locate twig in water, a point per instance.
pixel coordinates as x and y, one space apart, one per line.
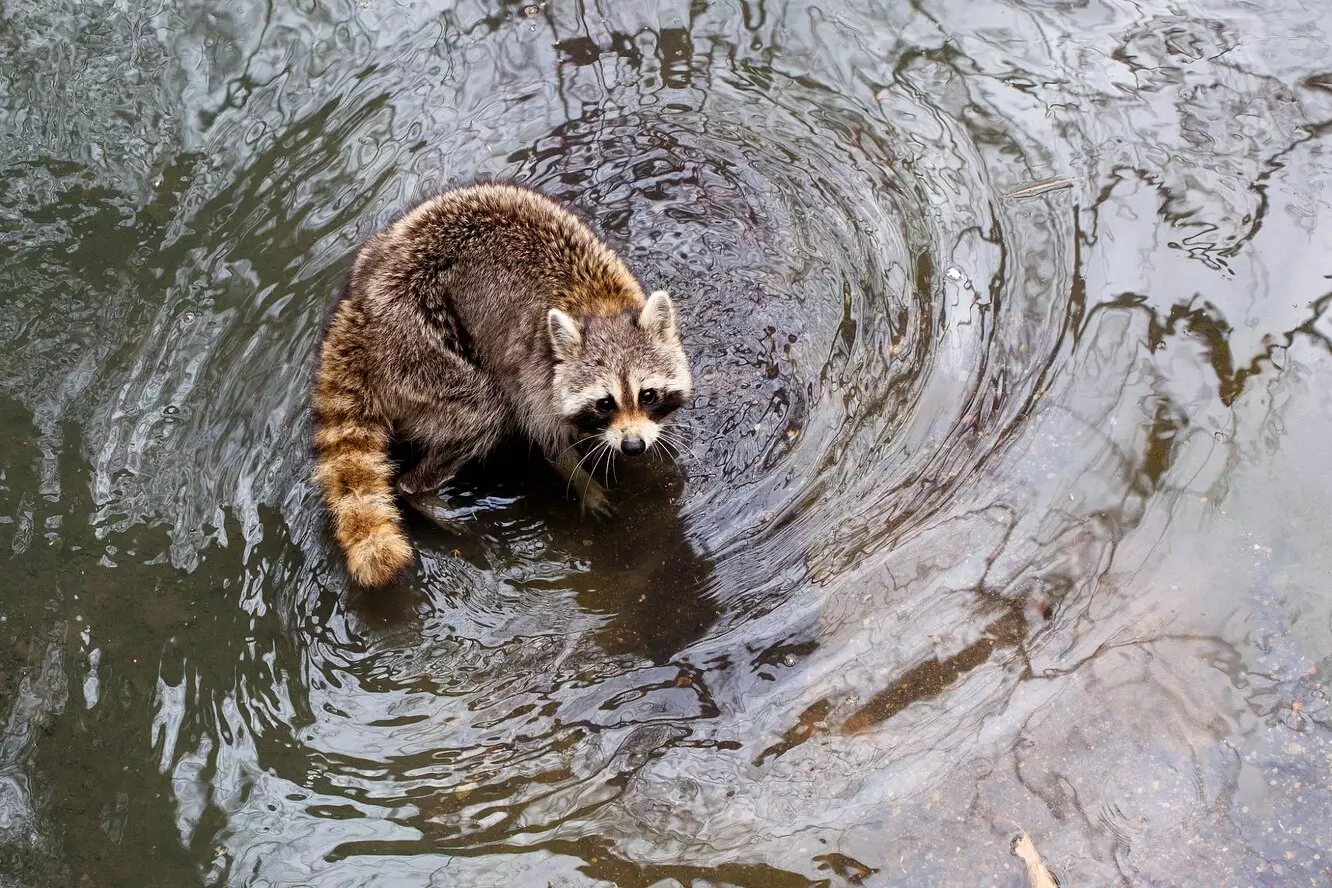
1041 187
1036 872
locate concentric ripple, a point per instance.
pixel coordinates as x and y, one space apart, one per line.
865 341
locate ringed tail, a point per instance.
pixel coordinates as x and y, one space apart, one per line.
353 470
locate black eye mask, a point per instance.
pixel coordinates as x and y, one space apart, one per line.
590 419
666 404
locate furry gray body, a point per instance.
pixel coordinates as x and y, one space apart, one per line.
484 312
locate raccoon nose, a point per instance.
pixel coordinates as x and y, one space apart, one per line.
633 446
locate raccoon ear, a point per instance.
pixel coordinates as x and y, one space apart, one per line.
658 316
564 336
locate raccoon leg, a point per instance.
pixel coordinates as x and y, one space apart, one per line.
453 425
590 493
428 475
435 509
419 488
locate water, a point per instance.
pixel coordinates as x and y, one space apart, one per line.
1004 507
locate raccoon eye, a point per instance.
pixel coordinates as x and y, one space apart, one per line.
606 404
647 397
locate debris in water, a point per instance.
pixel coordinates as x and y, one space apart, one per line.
1036 872
1036 188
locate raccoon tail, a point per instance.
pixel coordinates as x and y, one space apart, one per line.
352 468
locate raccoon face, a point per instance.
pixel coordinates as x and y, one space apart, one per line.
618 379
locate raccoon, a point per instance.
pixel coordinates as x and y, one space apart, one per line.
483 312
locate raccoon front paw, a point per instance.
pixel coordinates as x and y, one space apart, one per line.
413 485
436 509
595 501
424 480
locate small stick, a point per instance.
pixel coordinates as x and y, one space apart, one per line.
1038 875
1025 848
1042 187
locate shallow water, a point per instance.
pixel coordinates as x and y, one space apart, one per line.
1003 506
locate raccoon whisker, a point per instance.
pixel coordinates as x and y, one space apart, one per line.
676 438
671 440
672 457
579 465
575 444
686 426
674 429
590 479
679 450
593 454
668 447
686 431
602 447
610 455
